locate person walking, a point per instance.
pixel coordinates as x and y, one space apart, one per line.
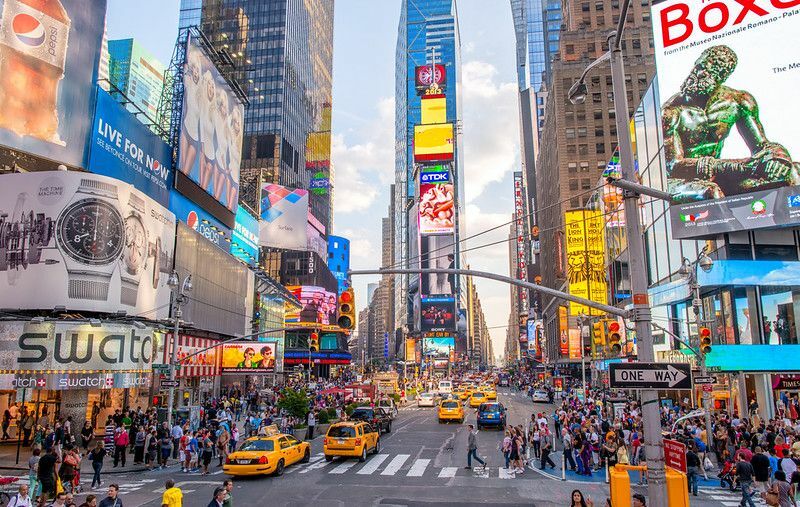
33 469
566 441
112 500
96 456
693 465
783 490
227 484
120 445
218 498
744 475
173 496
546 448
22 498
47 473
312 421
472 447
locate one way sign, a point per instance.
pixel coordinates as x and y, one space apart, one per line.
651 375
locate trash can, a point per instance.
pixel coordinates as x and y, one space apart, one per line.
677 488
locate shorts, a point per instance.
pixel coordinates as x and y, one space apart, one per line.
48 488
206 458
165 453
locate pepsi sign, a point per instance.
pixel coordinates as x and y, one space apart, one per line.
198 219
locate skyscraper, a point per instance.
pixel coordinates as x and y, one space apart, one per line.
428 35
137 73
281 53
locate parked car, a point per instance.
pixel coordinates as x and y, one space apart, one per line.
377 417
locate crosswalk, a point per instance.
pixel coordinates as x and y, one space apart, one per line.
394 465
730 498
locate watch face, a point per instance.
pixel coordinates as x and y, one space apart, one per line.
91 231
135 253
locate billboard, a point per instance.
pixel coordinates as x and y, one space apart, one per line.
426 75
439 349
249 357
410 354
284 214
433 109
437 252
438 314
95 244
48 61
436 203
123 148
200 220
244 240
318 305
721 66
585 238
519 231
434 143
210 151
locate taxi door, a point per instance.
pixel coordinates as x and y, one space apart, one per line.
285 451
370 436
293 450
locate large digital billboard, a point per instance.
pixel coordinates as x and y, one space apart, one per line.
318 306
433 109
210 151
248 357
48 62
83 241
436 201
200 220
244 237
284 215
586 274
727 79
438 314
439 350
123 148
433 143
426 75
437 252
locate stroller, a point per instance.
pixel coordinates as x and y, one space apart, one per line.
726 476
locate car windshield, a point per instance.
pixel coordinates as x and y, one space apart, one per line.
450 404
342 432
385 403
478 395
426 395
362 413
257 445
489 407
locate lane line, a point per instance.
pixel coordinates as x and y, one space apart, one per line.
396 464
373 464
418 468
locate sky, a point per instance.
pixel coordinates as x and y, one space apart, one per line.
365 36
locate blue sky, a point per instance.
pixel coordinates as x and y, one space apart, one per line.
365 34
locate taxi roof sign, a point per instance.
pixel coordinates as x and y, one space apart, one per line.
271 430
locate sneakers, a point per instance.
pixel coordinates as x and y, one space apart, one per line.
467 468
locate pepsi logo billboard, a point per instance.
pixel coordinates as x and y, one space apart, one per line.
28 30
200 221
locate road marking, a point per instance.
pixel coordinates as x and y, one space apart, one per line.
344 467
217 472
418 468
395 464
506 474
373 464
314 466
448 472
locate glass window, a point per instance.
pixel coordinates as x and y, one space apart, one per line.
743 330
777 309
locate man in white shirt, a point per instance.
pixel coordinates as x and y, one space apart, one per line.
177 434
21 499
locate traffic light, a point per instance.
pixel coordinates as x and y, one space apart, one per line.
614 337
313 342
157 401
347 310
705 340
599 334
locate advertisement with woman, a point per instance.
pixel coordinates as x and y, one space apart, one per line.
211 128
248 357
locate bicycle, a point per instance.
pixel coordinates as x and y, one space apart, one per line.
7 489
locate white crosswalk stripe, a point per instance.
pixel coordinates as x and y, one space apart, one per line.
506 474
418 468
448 472
395 465
373 464
344 467
731 499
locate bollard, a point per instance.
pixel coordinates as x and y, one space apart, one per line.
564 466
606 471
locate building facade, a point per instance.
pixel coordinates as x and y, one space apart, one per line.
339 260
137 73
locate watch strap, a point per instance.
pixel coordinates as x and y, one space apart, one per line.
90 186
85 285
129 291
136 202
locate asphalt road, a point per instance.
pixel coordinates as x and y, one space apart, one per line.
421 464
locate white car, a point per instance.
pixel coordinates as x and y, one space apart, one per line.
426 400
540 395
388 405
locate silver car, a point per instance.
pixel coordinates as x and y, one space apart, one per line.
540 395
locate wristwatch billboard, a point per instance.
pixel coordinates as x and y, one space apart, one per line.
90 232
135 252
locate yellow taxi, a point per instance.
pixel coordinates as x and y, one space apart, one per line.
476 399
490 393
269 454
451 410
465 394
458 392
351 439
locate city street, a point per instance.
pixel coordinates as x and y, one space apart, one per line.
421 463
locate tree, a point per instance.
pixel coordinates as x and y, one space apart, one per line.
294 402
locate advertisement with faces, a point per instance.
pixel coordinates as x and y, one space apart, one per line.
85 242
210 152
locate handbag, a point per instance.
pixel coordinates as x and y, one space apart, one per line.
771 498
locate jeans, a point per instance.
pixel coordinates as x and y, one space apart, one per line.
34 487
310 433
546 460
176 443
473 453
507 456
747 493
569 459
119 454
97 466
691 475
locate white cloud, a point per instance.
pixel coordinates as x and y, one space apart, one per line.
363 168
490 126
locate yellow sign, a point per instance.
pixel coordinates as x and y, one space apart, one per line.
410 349
586 273
433 109
563 331
433 142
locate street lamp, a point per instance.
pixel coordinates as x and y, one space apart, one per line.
641 315
179 297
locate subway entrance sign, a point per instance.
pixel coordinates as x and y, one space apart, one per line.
650 375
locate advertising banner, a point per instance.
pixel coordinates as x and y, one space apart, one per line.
575 344
426 75
318 305
433 109
244 240
200 220
411 345
585 238
563 331
66 346
520 231
439 350
433 143
437 252
48 61
727 80
438 314
284 214
83 241
194 355
123 148
210 151
248 357
436 201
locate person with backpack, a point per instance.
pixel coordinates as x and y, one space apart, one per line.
21 499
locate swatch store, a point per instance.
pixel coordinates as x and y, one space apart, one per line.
736 197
